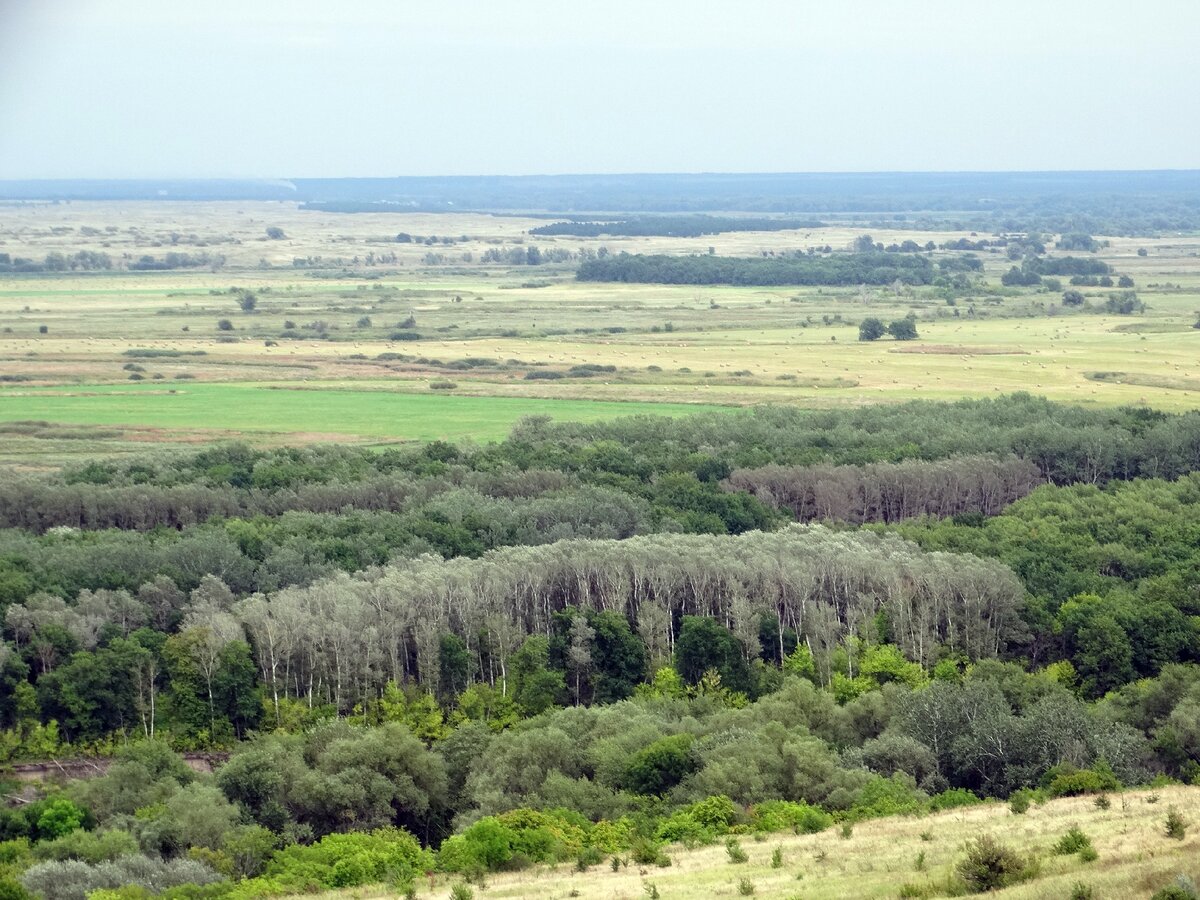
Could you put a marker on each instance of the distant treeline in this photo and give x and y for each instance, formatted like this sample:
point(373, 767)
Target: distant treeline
point(360, 206)
point(176, 260)
point(95, 261)
point(1069, 265)
point(1106, 203)
point(852, 268)
point(85, 260)
point(670, 226)
point(1082, 271)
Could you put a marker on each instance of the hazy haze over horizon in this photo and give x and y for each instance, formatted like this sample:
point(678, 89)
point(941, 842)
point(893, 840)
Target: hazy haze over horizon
point(213, 88)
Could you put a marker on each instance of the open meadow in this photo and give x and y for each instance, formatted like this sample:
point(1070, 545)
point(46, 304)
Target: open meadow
point(353, 335)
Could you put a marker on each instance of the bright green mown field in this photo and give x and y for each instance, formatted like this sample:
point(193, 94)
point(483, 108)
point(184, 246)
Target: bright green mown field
point(345, 414)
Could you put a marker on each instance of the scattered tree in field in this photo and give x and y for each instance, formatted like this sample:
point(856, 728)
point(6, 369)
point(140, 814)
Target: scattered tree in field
point(871, 330)
point(904, 329)
point(1124, 303)
point(1019, 277)
point(1072, 298)
point(1078, 241)
point(275, 233)
point(224, 325)
point(247, 300)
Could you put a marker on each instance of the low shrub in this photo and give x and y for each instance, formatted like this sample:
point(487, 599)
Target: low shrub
point(1072, 841)
point(610, 837)
point(1176, 825)
point(897, 795)
point(647, 852)
point(953, 799)
point(990, 865)
point(1020, 801)
point(347, 860)
point(684, 828)
point(1066, 782)
point(588, 857)
point(784, 815)
point(734, 851)
point(487, 845)
point(1182, 889)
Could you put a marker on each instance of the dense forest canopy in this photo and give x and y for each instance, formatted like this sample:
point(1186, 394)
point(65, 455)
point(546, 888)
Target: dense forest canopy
point(592, 639)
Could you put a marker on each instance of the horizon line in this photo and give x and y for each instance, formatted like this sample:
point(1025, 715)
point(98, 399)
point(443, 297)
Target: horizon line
point(584, 174)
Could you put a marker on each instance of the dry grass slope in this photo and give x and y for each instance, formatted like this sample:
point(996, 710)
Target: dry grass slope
point(880, 858)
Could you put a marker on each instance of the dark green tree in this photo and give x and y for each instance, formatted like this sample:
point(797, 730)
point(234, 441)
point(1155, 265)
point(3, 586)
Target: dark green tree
point(705, 644)
point(904, 329)
point(454, 664)
point(871, 329)
point(656, 769)
point(535, 686)
point(1072, 298)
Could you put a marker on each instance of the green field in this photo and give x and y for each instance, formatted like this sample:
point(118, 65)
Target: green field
point(306, 412)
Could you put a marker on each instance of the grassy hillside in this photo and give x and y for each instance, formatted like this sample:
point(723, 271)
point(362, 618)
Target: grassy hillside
point(899, 857)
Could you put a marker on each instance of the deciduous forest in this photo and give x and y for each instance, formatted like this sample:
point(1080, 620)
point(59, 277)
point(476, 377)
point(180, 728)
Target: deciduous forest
point(592, 639)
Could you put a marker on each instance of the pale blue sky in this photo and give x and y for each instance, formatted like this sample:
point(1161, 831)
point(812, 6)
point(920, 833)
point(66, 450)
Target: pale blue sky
point(266, 88)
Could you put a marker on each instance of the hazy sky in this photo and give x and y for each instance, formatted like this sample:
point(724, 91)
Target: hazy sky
point(274, 88)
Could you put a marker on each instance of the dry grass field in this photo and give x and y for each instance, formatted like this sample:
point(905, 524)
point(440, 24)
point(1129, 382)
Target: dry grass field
point(65, 338)
point(899, 857)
